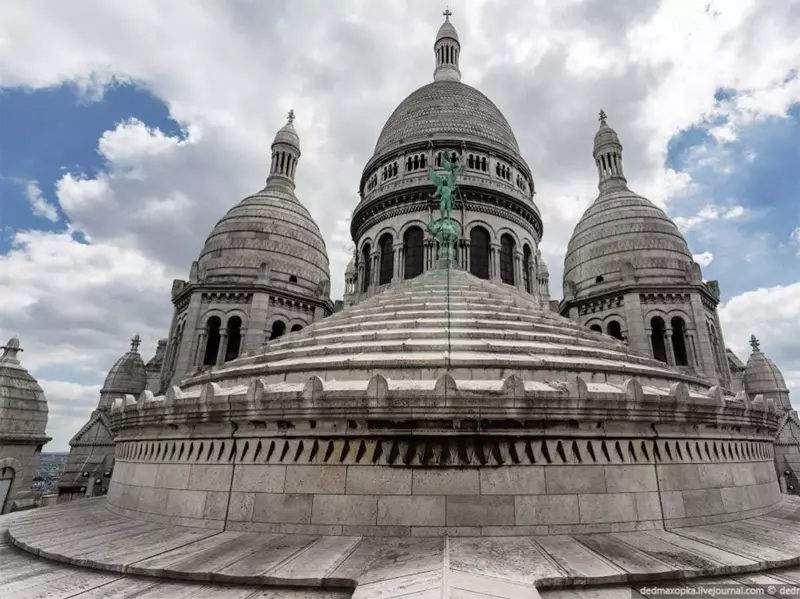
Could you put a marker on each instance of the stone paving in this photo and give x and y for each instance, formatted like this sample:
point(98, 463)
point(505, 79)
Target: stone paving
point(113, 550)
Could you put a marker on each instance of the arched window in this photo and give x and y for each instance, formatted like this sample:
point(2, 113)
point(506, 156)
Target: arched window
point(387, 259)
point(292, 279)
point(483, 164)
point(507, 247)
point(526, 267)
point(679, 341)
point(6, 482)
point(394, 169)
point(212, 341)
point(415, 254)
point(365, 251)
point(597, 328)
point(615, 329)
point(234, 338)
point(479, 252)
point(471, 161)
point(658, 328)
point(497, 168)
point(278, 329)
point(423, 161)
point(297, 327)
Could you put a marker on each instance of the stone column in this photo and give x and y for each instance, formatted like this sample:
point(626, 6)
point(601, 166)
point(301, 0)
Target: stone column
point(466, 255)
point(253, 335)
point(669, 348)
point(199, 350)
point(650, 349)
point(638, 334)
point(705, 351)
point(494, 262)
point(691, 351)
point(399, 262)
point(223, 346)
point(518, 282)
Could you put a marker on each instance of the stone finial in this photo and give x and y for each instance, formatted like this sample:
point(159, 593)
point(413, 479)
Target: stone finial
point(10, 351)
point(290, 117)
point(135, 342)
point(447, 14)
point(313, 388)
point(754, 343)
point(633, 389)
point(603, 117)
point(378, 387)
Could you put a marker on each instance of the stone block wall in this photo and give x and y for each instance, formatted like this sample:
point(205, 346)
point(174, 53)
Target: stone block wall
point(24, 460)
point(559, 492)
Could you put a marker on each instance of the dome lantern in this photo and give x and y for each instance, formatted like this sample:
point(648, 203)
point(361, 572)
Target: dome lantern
point(285, 155)
point(608, 157)
point(447, 48)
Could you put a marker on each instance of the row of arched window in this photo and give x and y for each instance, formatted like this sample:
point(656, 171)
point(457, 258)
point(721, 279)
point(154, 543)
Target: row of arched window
point(613, 328)
point(447, 54)
point(502, 170)
point(477, 162)
point(283, 163)
point(389, 171)
point(233, 339)
point(522, 183)
point(658, 336)
point(438, 161)
point(414, 260)
point(416, 162)
point(373, 182)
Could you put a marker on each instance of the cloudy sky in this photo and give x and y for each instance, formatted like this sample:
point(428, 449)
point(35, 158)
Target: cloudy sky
point(128, 128)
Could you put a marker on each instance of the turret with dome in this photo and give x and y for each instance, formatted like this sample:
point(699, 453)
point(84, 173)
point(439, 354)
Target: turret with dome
point(628, 272)
point(263, 272)
point(500, 225)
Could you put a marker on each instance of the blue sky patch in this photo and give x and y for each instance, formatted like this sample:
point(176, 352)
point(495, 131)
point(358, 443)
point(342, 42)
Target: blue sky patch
point(49, 132)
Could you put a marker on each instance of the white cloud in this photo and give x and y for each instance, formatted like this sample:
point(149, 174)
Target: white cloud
point(771, 314)
point(794, 237)
point(39, 204)
point(229, 82)
point(704, 259)
point(710, 213)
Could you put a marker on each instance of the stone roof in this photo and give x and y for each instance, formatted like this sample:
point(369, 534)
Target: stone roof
point(288, 134)
point(128, 375)
point(272, 228)
point(734, 362)
point(447, 30)
point(407, 334)
point(23, 406)
point(155, 363)
point(621, 228)
point(447, 110)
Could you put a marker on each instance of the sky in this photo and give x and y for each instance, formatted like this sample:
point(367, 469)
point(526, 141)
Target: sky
point(127, 129)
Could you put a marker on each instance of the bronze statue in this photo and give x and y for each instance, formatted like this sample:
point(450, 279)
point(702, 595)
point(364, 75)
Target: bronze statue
point(445, 229)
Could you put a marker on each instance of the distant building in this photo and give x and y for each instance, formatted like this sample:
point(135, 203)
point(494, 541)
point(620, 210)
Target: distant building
point(91, 457)
point(23, 420)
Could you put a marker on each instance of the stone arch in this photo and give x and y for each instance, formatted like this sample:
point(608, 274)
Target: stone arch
point(596, 327)
point(508, 249)
point(213, 325)
point(234, 343)
point(277, 328)
point(483, 224)
point(366, 259)
point(16, 476)
point(414, 251)
point(614, 328)
point(658, 329)
point(297, 327)
point(679, 349)
point(479, 248)
point(386, 264)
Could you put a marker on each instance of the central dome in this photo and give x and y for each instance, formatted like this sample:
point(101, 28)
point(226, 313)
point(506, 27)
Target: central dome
point(447, 110)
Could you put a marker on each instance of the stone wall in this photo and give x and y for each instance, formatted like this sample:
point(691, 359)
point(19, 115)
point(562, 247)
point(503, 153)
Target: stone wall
point(23, 458)
point(557, 487)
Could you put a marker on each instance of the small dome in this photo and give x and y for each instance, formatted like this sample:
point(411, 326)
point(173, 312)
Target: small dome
point(448, 110)
point(762, 377)
point(605, 135)
point(287, 134)
point(622, 228)
point(447, 31)
point(22, 402)
point(128, 376)
point(270, 228)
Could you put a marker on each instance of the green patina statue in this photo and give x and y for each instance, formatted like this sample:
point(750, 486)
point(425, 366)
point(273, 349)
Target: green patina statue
point(445, 229)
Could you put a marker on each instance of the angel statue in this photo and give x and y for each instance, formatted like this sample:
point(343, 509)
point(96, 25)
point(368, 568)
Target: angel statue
point(445, 186)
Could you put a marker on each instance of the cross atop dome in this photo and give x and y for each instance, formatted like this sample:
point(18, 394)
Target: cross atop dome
point(447, 14)
point(603, 117)
point(754, 343)
point(135, 342)
point(290, 117)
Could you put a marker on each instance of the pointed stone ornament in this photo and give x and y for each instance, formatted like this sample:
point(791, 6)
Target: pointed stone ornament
point(717, 395)
point(577, 388)
point(680, 391)
point(313, 389)
point(445, 386)
point(10, 351)
point(633, 389)
point(513, 386)
point(377, 388)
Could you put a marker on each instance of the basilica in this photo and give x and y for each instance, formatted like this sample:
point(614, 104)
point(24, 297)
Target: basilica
point(447, 427)
point(263, 272)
